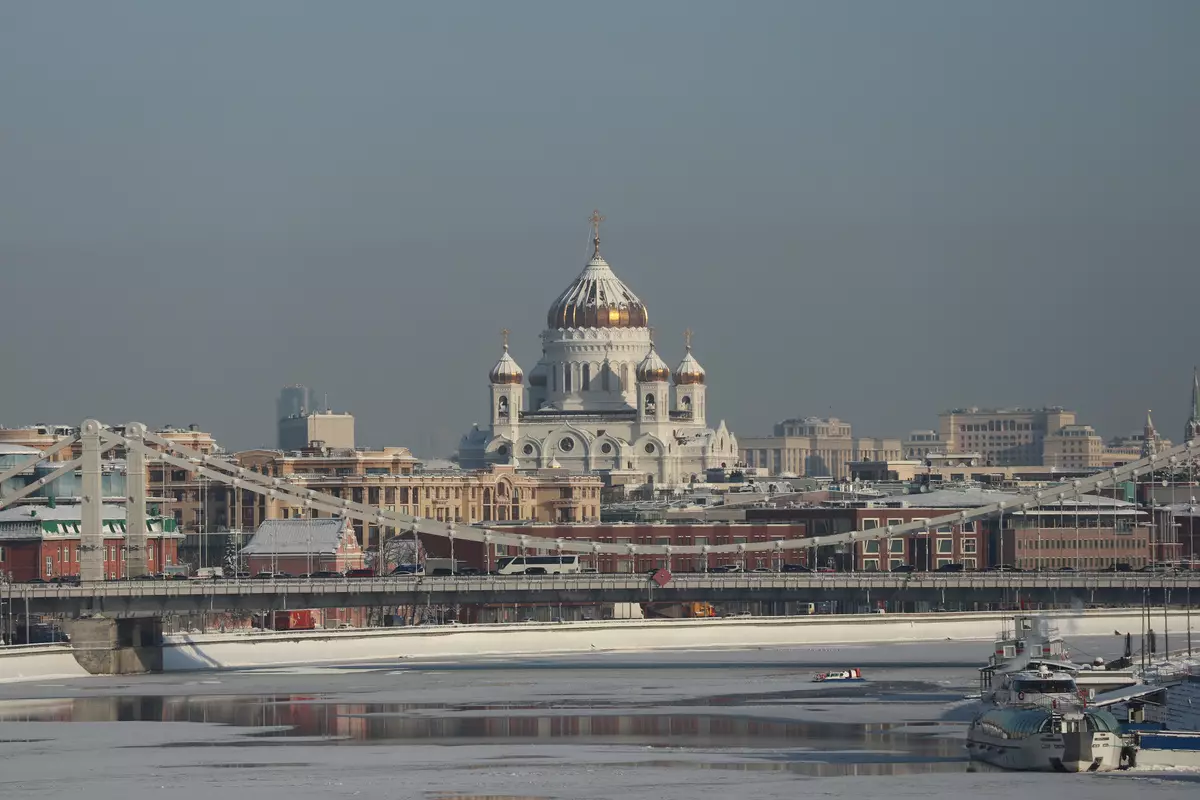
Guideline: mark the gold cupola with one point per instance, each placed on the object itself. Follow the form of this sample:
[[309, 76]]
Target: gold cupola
[[506, 371], [689, 372], [653, 369], [597, 298]]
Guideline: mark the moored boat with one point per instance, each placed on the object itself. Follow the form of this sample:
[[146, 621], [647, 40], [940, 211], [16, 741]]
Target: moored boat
[[1049, 740]]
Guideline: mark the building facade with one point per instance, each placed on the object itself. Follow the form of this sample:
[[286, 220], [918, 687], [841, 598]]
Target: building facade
[[814, 447], [303, 546], [1003, 436], [391, 480], [320, 428], [600, 398], [43, 542], [676, 534]]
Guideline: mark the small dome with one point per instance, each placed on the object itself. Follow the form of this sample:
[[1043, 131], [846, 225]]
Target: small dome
[[539, 376], [689, 372], [653, 369], [506, 371]]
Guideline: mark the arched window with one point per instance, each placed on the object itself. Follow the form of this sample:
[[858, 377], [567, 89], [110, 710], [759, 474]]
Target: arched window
[[586, 384], [567, 382], [649, 405], [502, 408], [624, 377], [685, 403]]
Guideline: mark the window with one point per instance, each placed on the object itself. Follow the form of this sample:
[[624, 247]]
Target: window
[[945, 529], [968, 545], [941, 562], [945, 545], [871, 564], [895, 562], [870, 524], [1, 553], [895, 545], [587, 377], [895, 522], [968, 527], [49, 565], [871, 546], [968, 563]]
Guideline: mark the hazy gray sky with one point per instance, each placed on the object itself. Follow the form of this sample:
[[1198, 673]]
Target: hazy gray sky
[[871, 209]]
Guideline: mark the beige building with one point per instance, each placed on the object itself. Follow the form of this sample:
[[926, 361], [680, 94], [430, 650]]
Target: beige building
[[331, 429], [814, 447], [40, 437], [921, 443], [391, 479], [1003, 436]]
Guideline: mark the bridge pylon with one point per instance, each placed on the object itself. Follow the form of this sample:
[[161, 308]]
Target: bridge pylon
[[135, 506], [91, 544]]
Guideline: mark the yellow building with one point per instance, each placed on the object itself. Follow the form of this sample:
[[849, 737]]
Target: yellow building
[[391, 480]]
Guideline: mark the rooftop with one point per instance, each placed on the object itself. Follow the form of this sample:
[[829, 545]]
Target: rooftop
[[283, 537]]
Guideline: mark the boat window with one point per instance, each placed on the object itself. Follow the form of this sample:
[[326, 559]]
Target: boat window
[[1046, 687]]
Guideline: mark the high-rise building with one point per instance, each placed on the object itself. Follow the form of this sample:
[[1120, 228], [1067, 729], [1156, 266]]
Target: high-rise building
[[294, 401]]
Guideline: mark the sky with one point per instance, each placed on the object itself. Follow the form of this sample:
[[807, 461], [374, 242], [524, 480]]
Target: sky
[[874, 210]]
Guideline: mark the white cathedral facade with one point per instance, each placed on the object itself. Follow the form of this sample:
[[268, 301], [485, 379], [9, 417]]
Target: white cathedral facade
[[601, 398]]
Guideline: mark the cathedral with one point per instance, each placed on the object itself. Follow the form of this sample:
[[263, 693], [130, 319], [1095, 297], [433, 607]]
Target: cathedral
[[601, 398]]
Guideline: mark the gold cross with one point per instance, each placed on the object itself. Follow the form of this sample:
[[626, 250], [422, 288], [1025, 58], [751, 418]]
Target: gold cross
[[596, 218], [504, 336], [687, 338], [651, 329]]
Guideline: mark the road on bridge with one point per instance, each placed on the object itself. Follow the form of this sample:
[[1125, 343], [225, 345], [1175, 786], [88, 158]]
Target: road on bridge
[[958, 589]]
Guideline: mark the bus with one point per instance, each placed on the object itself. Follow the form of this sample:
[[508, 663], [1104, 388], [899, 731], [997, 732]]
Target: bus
[[538, 565]]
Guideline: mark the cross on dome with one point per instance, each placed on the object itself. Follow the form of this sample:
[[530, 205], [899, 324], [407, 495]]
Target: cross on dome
[[596, 218]]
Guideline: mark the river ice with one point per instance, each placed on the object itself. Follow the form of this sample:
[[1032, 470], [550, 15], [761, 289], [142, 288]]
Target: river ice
[[644, 726]]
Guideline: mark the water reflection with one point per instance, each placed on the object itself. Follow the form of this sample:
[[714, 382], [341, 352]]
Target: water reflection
[[879, 748]]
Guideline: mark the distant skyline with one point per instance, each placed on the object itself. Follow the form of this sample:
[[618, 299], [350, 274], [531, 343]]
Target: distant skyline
[[873, 210]]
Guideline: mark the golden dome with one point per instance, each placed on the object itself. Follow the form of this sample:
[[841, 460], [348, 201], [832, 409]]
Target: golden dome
[[506, 371], [689, 372], [597, 298], [653, 369]]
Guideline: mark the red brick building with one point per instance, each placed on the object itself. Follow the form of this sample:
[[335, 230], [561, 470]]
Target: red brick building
[[1090, 534], [43, 542], [681, 534]]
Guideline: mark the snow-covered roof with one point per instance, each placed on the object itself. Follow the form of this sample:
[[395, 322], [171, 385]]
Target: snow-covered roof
[[281, 537], [61, 513]]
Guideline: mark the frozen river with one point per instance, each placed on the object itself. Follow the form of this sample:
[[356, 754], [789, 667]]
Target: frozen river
[[684, 724]]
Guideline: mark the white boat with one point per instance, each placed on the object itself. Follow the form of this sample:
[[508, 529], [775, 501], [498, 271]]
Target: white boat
[[1041, 722], [1049, 740], [1038, 688], [843, 676]]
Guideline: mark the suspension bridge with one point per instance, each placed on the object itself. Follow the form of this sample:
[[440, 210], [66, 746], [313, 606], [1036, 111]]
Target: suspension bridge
[[137, 444]]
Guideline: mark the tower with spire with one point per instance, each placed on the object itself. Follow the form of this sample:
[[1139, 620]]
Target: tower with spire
[[1192, 430], [1149, 438], [506, 380], [689, 384]]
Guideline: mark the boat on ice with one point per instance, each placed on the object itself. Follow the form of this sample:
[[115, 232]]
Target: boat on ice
[[840, 676], [1049, 740], [1041, 722]]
